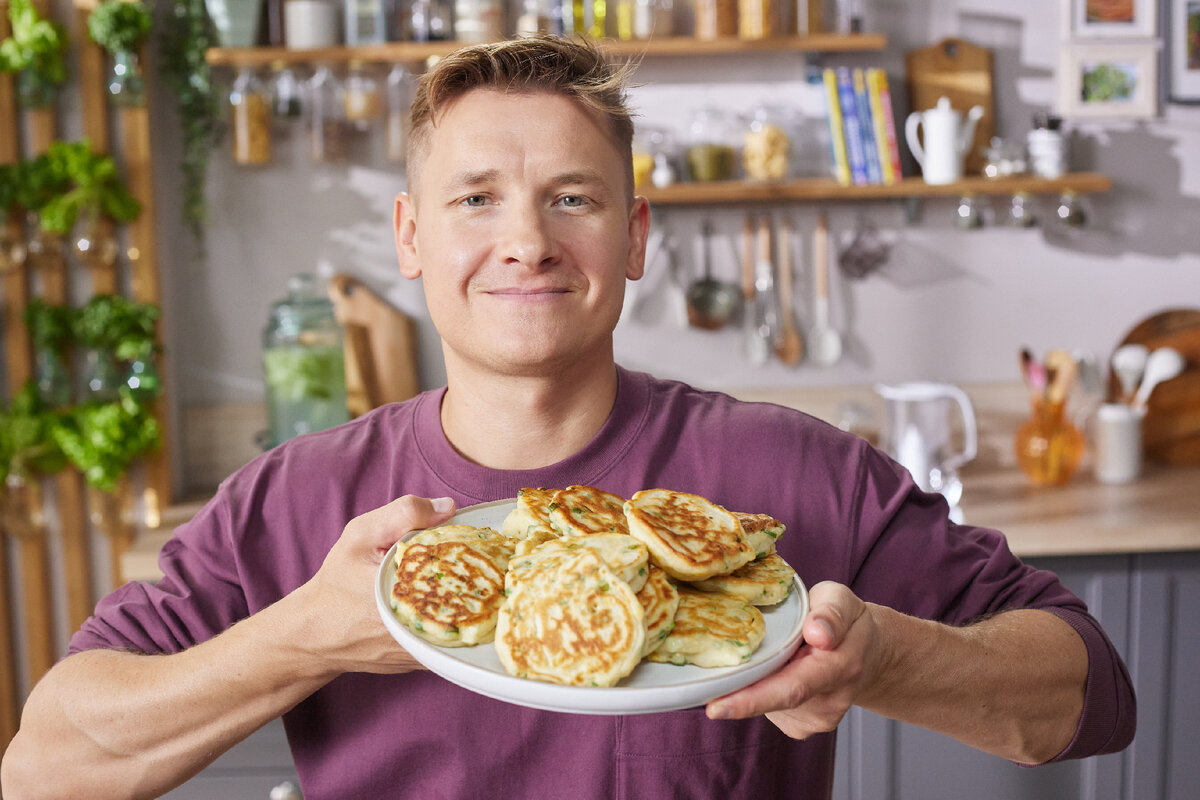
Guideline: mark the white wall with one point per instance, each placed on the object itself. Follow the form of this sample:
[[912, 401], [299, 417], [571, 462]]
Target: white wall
[[949, 305]]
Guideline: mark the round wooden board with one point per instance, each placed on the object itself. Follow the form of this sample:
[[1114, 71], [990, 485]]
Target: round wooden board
[[1171, 432]]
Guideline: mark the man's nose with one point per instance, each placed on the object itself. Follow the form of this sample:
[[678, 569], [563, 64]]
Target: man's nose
[[529, 237]]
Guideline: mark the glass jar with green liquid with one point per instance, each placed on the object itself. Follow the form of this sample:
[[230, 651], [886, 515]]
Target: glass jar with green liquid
[[303, 363]]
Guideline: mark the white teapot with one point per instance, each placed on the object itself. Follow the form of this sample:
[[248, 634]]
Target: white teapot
[[948, 138]]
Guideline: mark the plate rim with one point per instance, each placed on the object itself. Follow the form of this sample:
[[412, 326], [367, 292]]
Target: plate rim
[[547, 696]]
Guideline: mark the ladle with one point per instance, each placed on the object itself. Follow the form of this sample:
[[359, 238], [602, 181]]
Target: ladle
[[826, 343], [1161, 365], [1128, 363], [710, 302]]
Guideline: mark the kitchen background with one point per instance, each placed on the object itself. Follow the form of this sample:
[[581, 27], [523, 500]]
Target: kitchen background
[[948, 305]]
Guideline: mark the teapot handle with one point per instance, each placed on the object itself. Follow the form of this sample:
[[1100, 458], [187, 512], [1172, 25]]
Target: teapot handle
[[970, 434], [910, 135]]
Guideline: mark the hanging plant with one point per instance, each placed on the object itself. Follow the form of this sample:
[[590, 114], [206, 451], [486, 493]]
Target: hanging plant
[[116, 323], [28, 445], [95, 188], [119, 26], [189, 34], [102, 440], [35, 52]]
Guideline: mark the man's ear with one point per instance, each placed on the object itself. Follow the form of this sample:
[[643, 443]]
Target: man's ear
[[639, 230], [404, 222]]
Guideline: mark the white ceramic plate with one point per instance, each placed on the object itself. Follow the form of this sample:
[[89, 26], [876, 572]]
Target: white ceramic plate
[[650, 688]]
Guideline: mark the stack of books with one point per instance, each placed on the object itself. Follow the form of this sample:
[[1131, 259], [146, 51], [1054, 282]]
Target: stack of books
[[862, 127]]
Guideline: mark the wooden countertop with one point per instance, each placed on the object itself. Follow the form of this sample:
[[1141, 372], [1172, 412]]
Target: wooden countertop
[[1159, 512]]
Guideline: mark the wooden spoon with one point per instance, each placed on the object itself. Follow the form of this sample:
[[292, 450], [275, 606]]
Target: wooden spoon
[[789, 347]]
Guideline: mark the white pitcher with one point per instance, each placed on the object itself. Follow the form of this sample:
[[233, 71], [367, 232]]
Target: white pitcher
[[917, 433], [948, 138]]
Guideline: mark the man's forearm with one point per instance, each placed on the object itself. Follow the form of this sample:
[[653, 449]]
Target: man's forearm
[[108, 723], [1011, 685]]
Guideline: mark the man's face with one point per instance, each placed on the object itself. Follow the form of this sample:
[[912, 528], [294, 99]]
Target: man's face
[[522, 231]]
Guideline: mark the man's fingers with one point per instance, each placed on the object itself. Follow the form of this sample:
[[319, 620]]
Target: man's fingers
[[383, 527], [833, 608]]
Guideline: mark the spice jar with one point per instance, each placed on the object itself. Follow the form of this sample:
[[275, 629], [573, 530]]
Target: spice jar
[[303, 363], [285, 92], [361, 98], [635, 19], [478, 21], [251, 119], [712, 145], [431, 20], [326, 117], [716, 18], [757, 19], [399, 101], [767, 146]]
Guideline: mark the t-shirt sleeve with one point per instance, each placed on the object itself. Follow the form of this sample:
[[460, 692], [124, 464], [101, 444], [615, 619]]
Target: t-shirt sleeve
[[198, 596], [906, 554]]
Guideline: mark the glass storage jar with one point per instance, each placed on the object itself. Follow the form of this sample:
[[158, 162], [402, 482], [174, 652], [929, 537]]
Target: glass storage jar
[[478, 21], [326, 117], [767, 144], [303, 363], [711, 153], [716, 18], [400, 92], [361, 98], [758, 19], [286, 92], [1048, 445], [251, 119]]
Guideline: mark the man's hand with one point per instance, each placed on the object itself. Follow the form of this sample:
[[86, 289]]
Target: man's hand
[[339, 601], [815, 689]]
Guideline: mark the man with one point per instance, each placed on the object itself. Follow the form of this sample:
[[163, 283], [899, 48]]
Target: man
[[522, 223]]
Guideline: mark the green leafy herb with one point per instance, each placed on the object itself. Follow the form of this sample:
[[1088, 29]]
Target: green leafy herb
[[103, 439], [35, 44], [27, 443], [119, 25], [116, 323], [49, 325], [95, 188]]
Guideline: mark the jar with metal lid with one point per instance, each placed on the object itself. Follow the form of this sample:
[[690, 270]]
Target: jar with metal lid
[[326, 117], [478, 21], [303, 363], [713, 138], [758, 19], [361, 98], [716, 18], [767, 144], [251, 119], [285, 91]]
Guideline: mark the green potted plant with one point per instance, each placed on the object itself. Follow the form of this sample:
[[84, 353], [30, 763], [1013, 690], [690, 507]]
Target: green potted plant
[[51, 333], [118, 333], [94, 190], [102, 439], [121, 27], [28, 445], [188, 75], [35, 52], [12, 246]]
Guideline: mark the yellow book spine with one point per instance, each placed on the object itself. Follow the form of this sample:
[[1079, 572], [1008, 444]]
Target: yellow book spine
[[880, 126], [837, 138]]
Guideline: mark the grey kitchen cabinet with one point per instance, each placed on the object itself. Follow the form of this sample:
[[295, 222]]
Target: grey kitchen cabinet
[[1150, 606]]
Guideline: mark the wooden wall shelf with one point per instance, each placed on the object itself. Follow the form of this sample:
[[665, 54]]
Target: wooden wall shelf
[[811, 189], [671, 46]]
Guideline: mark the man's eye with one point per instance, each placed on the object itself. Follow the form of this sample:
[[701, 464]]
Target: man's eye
[[475, 201], [573, 201]]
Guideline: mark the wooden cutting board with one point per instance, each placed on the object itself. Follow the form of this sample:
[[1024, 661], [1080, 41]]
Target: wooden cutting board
[[961, 71], [1171, 431]]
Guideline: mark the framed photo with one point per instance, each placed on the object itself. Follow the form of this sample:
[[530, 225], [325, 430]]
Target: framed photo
[[1109, 80], [1183, 40], [1130, 19]]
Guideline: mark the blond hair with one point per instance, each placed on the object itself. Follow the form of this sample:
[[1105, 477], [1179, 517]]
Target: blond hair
[[575, 68]]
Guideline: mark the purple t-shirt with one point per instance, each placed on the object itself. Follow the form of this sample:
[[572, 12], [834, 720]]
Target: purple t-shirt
[[852, 516]]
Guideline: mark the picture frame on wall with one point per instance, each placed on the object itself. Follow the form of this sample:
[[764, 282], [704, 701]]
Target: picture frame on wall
[[1110, 80], [1128, 19], [1183, 43]]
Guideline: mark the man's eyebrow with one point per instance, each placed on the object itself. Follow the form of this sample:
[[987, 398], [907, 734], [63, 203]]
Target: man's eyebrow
[[472, 178], [579, 176]]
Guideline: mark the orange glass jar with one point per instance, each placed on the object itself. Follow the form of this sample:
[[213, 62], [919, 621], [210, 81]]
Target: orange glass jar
[[1048, 446]]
